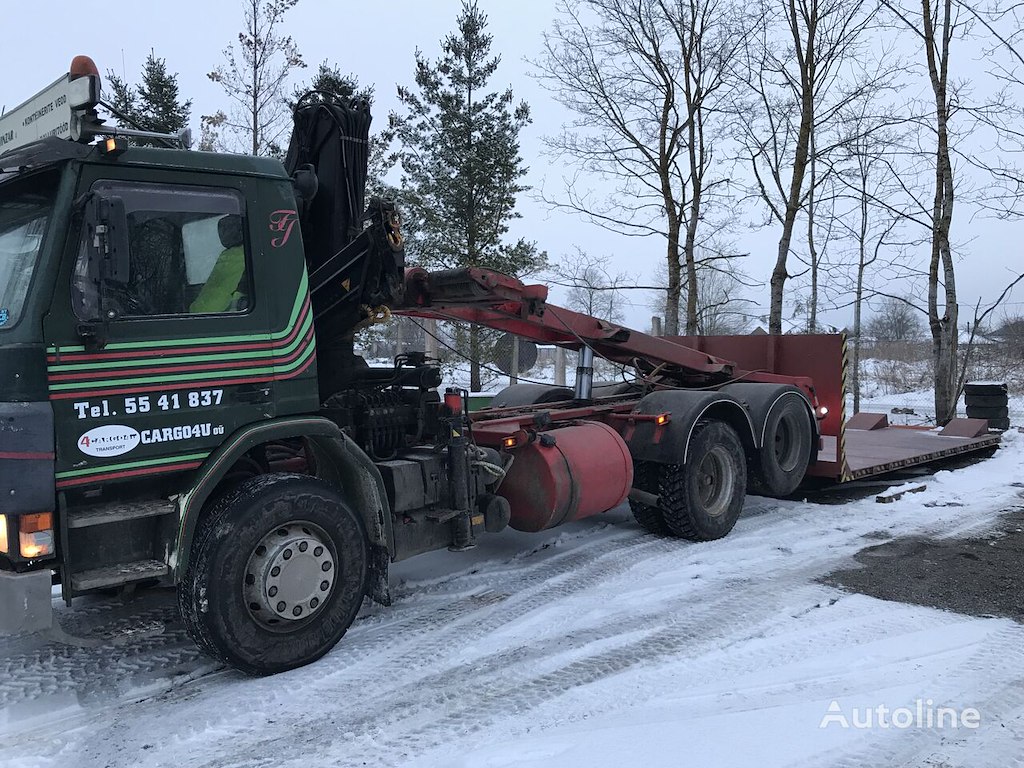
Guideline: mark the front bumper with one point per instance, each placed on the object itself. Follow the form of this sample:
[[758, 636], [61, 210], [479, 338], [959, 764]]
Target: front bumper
[[25, 602]]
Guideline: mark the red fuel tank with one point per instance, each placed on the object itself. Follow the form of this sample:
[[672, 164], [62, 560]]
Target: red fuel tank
[[567, 474]]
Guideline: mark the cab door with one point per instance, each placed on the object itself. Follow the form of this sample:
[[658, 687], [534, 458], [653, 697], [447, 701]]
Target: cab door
[[162, 348]]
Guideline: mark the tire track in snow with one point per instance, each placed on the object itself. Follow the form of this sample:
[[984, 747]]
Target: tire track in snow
[[525, 692], [1002, 703], [428, 630], [485, 694], [466, 697], [430, 619], [699, 618], [55, 676], [68, 674]]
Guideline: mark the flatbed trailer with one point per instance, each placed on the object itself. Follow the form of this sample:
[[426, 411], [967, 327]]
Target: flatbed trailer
[[857, 446]]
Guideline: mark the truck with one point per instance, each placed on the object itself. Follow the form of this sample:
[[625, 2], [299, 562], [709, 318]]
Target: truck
[[182, 405]]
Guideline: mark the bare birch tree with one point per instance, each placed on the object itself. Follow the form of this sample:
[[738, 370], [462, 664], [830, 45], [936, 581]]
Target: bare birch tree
[[254, 76], [721, 307], [869, 225], [800, 73], [648, 81], [591, 286], [935, 27]]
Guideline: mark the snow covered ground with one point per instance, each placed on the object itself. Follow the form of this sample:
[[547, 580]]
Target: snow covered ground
[[592, 645]]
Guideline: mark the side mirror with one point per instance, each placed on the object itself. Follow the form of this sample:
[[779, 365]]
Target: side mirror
[[305, 182], [108, 239]]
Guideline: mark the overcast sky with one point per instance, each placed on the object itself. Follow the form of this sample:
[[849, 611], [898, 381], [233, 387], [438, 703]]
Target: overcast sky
[[377, 42]]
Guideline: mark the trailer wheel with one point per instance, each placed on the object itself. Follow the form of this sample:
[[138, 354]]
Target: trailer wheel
[[702, 499], [645, 477], [779, 467], [276, 575]]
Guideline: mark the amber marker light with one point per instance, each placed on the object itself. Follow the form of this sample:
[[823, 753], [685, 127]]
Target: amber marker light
[[36, 535], [114, 146], [4, 546]]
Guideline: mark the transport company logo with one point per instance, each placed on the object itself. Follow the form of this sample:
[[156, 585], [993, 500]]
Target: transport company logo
[[108, 440], [922, 714], [117, 439], [5, 315], [282, 222]]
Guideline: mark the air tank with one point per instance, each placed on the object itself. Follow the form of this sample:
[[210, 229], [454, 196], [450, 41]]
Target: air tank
[[567, 474]]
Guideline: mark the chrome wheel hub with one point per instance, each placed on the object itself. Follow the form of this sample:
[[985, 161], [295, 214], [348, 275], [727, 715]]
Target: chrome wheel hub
[[289, 576]]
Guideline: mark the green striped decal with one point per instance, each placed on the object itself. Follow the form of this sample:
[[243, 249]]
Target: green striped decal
[[144, 463], [251, 355], [238, 338], [257, 370], [202, 360]]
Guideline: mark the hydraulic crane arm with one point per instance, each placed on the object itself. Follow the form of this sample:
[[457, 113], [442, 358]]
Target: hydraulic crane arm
[[495, 300], [498, 301]]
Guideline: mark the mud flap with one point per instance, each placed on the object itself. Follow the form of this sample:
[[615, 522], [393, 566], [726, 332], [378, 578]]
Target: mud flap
[[25, 602], [377, 586]]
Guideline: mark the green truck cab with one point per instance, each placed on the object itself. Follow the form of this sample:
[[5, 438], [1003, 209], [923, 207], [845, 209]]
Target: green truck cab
[[163, 411]]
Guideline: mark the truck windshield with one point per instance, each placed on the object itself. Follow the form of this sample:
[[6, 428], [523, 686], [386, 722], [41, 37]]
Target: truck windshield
[[24, 215]]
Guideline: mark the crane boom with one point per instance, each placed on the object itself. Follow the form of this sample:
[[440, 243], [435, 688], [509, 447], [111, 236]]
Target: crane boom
[[496, 300]]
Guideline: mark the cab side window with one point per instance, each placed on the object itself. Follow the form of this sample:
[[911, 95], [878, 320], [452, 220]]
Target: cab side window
[[187, 254]]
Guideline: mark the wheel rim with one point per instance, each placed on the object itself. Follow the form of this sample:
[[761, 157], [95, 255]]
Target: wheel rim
[[787, 451], [289, 576], [715, 481]]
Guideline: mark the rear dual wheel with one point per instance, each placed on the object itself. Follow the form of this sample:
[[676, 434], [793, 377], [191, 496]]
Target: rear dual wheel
[[779, 467], [702, 498], [646, 478], [276, 575]]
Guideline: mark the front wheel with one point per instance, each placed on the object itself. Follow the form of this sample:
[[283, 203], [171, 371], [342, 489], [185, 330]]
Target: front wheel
[[702, 499], [276, 575]]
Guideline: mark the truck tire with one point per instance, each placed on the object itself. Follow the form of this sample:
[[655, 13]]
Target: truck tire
[[990, 412], [277, 574], [645, 477], [985, 401], [702, 499], [779, 467]]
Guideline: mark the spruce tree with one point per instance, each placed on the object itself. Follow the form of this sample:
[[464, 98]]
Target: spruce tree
[[331, 80], [462, 170], [154, 104], [159, 98]]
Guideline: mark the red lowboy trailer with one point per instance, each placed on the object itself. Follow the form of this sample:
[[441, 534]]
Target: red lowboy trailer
[[749, 369]]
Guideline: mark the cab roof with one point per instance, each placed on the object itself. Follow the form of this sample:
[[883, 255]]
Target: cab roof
[[55, 151]]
